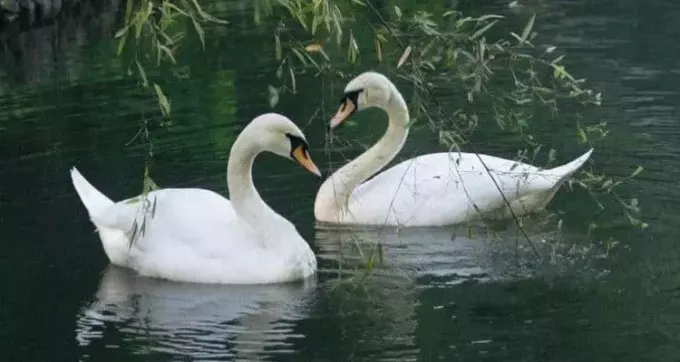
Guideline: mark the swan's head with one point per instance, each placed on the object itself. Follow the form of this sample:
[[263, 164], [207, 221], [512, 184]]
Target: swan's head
[[278, 134], [369, 89]]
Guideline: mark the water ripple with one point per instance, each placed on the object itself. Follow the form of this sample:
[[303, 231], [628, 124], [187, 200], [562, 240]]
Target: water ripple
[[202, 322]]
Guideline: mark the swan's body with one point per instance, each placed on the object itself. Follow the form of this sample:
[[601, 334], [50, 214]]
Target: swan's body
[[429, 190], [197, 235]]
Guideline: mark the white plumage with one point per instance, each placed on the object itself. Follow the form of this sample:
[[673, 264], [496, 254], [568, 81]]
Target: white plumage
[[429, 190], [197, 235]]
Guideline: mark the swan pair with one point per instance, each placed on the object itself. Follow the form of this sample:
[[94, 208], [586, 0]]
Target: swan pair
[[197, 235]]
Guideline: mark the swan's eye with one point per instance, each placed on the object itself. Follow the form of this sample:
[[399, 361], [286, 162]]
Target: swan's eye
[[297, 142], [352, 96], [349, 105]]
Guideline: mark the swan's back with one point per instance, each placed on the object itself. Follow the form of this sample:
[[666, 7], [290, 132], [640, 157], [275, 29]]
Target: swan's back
[[439, 189], [200, 218]]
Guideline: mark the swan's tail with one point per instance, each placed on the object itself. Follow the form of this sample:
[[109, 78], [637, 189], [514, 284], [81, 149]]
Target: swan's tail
[[566, 171], [100, 208], [543, 189], [95, 202]]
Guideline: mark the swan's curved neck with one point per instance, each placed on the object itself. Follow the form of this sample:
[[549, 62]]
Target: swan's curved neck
[[335, 190], [245, 199]]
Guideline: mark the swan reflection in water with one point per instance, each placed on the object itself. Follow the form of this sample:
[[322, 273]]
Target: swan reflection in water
[[198, 321], [380, 317], [388, 300], [409, 253], [450, 255], [423, 271], [149, 316]]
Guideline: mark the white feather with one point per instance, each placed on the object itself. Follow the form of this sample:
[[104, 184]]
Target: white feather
[[197, 235], [429, 190]]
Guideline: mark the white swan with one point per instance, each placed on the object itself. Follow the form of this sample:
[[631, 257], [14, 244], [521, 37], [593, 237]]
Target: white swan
[[429, 190], [196, 235]]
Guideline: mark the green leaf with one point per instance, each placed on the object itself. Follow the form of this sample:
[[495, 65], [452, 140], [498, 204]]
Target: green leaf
[[378, 50], [122, 31], [142, 19], [174, 7], [352, 48], [637, 171], [315, 24], [301, 20], [527, 28], [121, 44], [489, 16], [162, 100], [142, 74], [634, 221], [132, 201], [580, 133], [483, 30], [404, 56], [149, 184], [273, 96], [256, 13], [167, 52], [128, 11], [369, 263], [338, 32], [299, 55], [199, 31], [277, 45], [207, 16], [558, 59], [292, 79]]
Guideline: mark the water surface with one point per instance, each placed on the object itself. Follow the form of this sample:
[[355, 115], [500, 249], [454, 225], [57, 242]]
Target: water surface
[[443, 294]]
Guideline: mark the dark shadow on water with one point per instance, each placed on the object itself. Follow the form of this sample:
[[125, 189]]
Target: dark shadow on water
[[33, 55]]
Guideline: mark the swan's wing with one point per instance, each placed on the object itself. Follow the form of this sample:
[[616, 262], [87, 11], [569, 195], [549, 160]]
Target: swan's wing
[[442, 188], [195, 219], [201, 220], [194, 235]]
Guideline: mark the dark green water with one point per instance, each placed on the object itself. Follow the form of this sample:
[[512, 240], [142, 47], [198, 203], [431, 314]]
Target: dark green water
[[64, 102]]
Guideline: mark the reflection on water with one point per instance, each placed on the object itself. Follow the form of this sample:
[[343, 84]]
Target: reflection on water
[[406, 253], [442, 289], [130, 314], [196, 321], [453, 255], [408, 261]]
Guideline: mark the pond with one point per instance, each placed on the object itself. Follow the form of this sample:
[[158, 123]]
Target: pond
[[441, 294]]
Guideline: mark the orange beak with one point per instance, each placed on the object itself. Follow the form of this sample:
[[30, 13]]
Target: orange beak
[[346, 109], [302, 157]]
